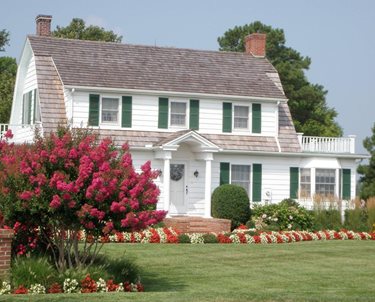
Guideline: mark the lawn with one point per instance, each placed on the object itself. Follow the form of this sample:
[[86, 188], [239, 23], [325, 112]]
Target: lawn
[[306, 271]]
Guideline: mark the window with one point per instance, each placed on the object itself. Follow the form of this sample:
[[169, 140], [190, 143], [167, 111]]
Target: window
[[240, 175], [30, 108], [178, 114], [110, 110], [26, 108], [241, 117], [305, 183], [325, 181]]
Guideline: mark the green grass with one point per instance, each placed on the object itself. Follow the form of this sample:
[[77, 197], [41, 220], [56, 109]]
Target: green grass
[[308, 271]]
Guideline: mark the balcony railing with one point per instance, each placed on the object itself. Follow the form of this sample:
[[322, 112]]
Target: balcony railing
[[328, 144]]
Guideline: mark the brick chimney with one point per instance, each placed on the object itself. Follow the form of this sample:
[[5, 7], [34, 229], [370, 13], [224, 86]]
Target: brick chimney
[[43, 25], [255, 44]]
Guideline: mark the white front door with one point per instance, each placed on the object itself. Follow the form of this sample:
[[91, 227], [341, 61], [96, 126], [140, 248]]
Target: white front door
[[178, 188]]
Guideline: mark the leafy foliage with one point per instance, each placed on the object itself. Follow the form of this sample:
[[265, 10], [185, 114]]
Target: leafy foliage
[[286, 215], [307, 102], [231, 202], [367, 180], [77, 29], [8, 70], [4, 39], [69, 181]]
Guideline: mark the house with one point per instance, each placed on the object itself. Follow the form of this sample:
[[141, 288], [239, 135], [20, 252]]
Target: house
[[203, 118]]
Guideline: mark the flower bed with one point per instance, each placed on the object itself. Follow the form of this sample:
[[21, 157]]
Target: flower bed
[[240, 235], [86, 285]]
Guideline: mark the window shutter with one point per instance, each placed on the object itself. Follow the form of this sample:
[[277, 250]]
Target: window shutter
[[257, 118], [257, 182], [163, 113], [194, 114], [224, 173], [94, 110], [227, 117], [346, 184], [294, 182], [126, 117]]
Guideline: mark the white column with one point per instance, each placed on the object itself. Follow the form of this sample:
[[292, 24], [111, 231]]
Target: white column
[[166, 183], [207, 185]]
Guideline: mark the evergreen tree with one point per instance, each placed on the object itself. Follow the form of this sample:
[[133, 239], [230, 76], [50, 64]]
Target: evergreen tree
[[367, 180]]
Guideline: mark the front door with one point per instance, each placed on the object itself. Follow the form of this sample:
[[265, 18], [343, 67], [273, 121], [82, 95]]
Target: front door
[[178, 187]]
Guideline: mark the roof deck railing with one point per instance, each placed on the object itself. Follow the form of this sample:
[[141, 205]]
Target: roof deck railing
[[327, 144]]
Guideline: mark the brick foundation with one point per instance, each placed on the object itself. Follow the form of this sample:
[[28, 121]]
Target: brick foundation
[[186, 224], [6, 237]]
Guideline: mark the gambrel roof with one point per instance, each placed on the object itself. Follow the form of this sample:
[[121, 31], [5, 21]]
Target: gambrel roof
[[76, 63], [115, 65]]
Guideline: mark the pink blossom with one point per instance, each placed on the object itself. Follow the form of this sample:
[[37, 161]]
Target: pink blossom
[[8, 134], [26, 195], [56, 202]]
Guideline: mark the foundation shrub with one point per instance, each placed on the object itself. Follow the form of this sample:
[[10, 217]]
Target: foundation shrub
[[231, 202], [356, 219], [326, 213], [183, 238], [370, 205], [210, 238], [286, 215]]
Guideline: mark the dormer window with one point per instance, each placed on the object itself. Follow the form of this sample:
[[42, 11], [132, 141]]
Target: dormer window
[[178, 114], [110, 110], [241, 117]]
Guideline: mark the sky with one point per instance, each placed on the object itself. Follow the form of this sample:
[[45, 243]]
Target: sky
[[338, 36]]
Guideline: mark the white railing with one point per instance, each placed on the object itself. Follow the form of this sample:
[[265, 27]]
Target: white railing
[[328, 144]]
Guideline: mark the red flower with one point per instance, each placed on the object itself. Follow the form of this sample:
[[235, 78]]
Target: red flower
[[88, 285], [21, 290], [111, 286], [55, 288], [223, 239]]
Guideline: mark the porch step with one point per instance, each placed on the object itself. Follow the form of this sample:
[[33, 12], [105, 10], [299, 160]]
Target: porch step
[[192, 224]]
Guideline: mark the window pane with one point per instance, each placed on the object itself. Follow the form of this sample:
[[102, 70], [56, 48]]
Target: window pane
[[241, 176], [178, 114], [110, 110], [241, 117], [325, 182], [305, 183]]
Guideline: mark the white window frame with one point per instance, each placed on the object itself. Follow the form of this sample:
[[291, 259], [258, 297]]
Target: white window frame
[[119, 110], [334, 183], [187, 110], [241, 181], [247, 129], [303, 195]]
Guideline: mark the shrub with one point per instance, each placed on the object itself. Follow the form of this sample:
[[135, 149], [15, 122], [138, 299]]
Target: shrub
[[69, 181], [286, 215], [370, 205], [183, 238], [28, 271], [357, 219], [231, 202], [210, 238], [123, 270]]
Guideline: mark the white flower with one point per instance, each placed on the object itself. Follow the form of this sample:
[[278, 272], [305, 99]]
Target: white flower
[[5, 288], [264, 216], [120, 287], [289, 226], [37, 289], [101, 286], [275, 219], [291, 217], [70, 286]]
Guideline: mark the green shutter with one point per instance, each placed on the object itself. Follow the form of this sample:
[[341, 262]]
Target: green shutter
[[294, 182], [257, 182], [126, 117], [194, 114], [227, 117], [163, 113], [257, 118], [346, 184], [94, 110], [224, 173]]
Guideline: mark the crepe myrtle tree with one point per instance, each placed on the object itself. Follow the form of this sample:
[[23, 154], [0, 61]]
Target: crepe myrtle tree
[[70, 181]]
